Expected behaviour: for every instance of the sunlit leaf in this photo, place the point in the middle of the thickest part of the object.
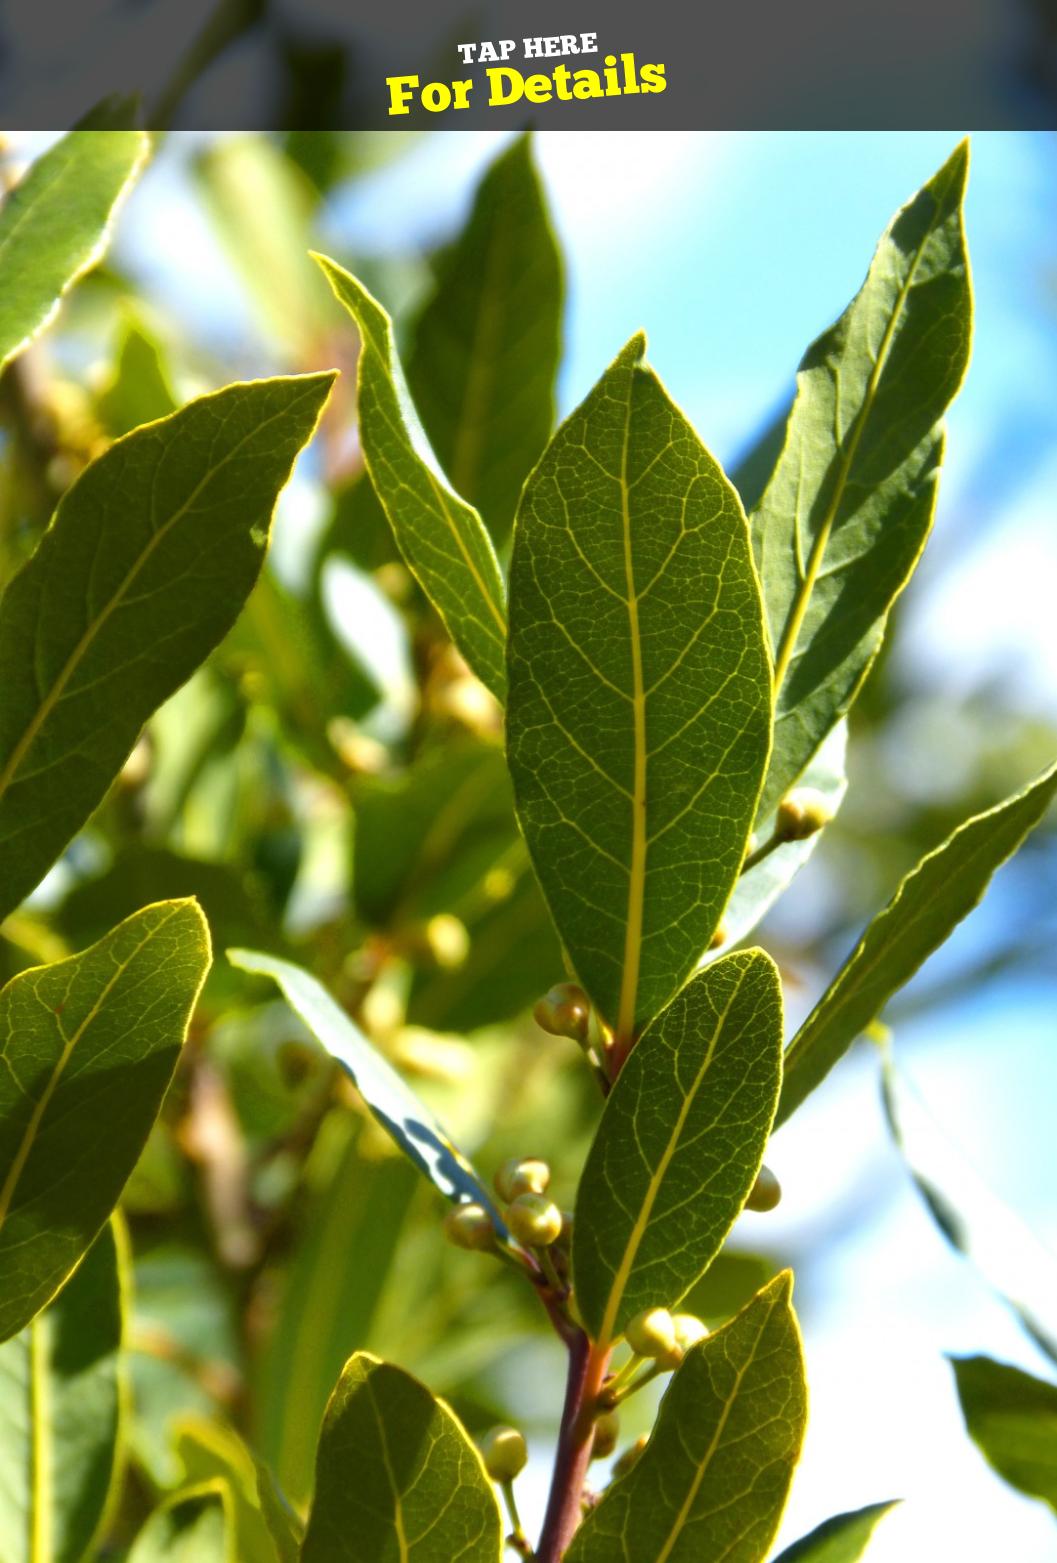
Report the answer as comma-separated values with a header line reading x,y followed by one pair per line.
x,y
89,1045
680,1143
842,1539
407,1121
929,904
440,535
55,223
1012,1418
848,508
487,342
209,1450
61,1403
397,1478
713,1479
150,556
639,711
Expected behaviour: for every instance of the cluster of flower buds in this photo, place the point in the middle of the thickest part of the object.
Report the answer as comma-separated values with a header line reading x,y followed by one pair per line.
x,y
534,1220
665,1337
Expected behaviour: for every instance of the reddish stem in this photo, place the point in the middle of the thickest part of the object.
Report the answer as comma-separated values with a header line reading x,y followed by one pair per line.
x,y
587,1369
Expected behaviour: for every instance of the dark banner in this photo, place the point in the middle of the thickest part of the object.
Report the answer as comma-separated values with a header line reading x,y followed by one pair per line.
x,y
580,64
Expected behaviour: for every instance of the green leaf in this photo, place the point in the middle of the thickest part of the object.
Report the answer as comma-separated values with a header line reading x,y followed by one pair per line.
x,y
488,342
713,1479
639,710
442,537
759,887
843,1539
406,1120
208,1450
346,1242
847,511
55,223
262,206
89,1046
150,556
61,1399
976,1223
680,1143
139,388
1012,1419
397,1478
931,901
195,1526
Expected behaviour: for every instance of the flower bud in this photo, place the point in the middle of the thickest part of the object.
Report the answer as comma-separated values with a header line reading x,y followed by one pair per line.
x,y
689,1329
564,1012
719,937
651,1333
801,813
765,1192
534,1220
469,1226
522,1175
607,1431
631,1454
504,1453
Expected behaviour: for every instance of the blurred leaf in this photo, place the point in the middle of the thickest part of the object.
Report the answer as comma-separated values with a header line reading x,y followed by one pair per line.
x,y
514,953
713,1479
397,1478
90,1045
143,570
926,908
307,675
55,223
61,1399
201,723
1012,1419
731,1280
139,389
403,1117
209,1450
487,343
430,833
184,1352
845,515
346,1242
639,716
263,208
359,527
843,1539
441,537
679,1145
759,887
233,904
974,1221
195,1526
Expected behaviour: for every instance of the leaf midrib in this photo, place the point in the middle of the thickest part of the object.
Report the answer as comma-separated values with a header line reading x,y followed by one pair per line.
x,y
637,869
54,695
383,1444
638,1231
794,623
41,1479
709,1454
